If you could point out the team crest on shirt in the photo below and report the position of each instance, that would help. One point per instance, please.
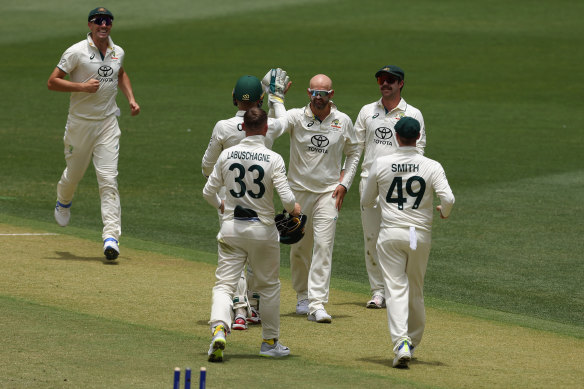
(336, 124)
(399, 115)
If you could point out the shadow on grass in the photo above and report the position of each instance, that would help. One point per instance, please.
(387, 362)
(67, 256)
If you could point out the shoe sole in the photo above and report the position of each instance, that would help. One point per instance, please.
(217, 354)
(273, 356)
(239, 327)
(326, 320)
(374, 306)
(111, 254)
(402, 363)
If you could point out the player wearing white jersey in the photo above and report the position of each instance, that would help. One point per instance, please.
(320, 135)
(247, 93)
(249, 171)
(404, 182)
(95, 71)
(375, 131)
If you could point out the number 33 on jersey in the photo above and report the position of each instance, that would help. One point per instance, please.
(250, 172)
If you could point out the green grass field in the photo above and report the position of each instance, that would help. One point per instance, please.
(501, 91)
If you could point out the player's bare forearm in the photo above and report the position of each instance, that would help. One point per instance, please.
(126, 87)
(58, 83)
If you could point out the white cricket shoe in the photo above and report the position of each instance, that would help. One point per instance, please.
(218, 343)
(111, 249)
(376, 302)
(62, 213)
(403, 356)
(302, 307)
(320, 316)
(275, 350)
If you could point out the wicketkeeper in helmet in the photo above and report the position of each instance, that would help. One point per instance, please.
(248, 93)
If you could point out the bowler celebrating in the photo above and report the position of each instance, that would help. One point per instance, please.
(95, 71)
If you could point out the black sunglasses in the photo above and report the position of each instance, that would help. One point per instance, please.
(99, 21)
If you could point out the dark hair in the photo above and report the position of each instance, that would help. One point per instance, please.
(255, 119)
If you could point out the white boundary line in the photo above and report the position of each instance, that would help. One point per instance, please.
(30, 234)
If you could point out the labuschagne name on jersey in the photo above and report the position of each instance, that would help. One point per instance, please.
(405, 167)
(248, 156)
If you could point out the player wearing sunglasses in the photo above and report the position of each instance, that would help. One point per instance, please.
(375, 130)
(94, 69)
(320, 136)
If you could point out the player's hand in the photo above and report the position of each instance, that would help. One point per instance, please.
(91, 86)
(134, 108)
(439, 209)
(339, 195)
(297, 210)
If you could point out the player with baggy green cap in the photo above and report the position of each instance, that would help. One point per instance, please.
(375, 131)
(402, 185)
(248, 93)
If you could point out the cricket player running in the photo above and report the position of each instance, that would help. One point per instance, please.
(404, 182)
(95, 71)
(320, 135)
(249, 171)
(375, 131)
(248, 93)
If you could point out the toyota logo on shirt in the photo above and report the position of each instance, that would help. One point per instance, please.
(382, 136)
(105, 71)
(319, 142)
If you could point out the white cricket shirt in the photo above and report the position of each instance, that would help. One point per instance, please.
(82, 62)
(317, 149)
(405, 182)
(375, 129)
(250, 172)
(228, 133)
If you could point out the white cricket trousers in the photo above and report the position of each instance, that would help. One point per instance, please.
(96, 140)
(258, 244)
(311, 258)
(242, 298)
(371, 222)
(403, 272)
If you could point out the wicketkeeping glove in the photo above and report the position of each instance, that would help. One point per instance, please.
(275, 83)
